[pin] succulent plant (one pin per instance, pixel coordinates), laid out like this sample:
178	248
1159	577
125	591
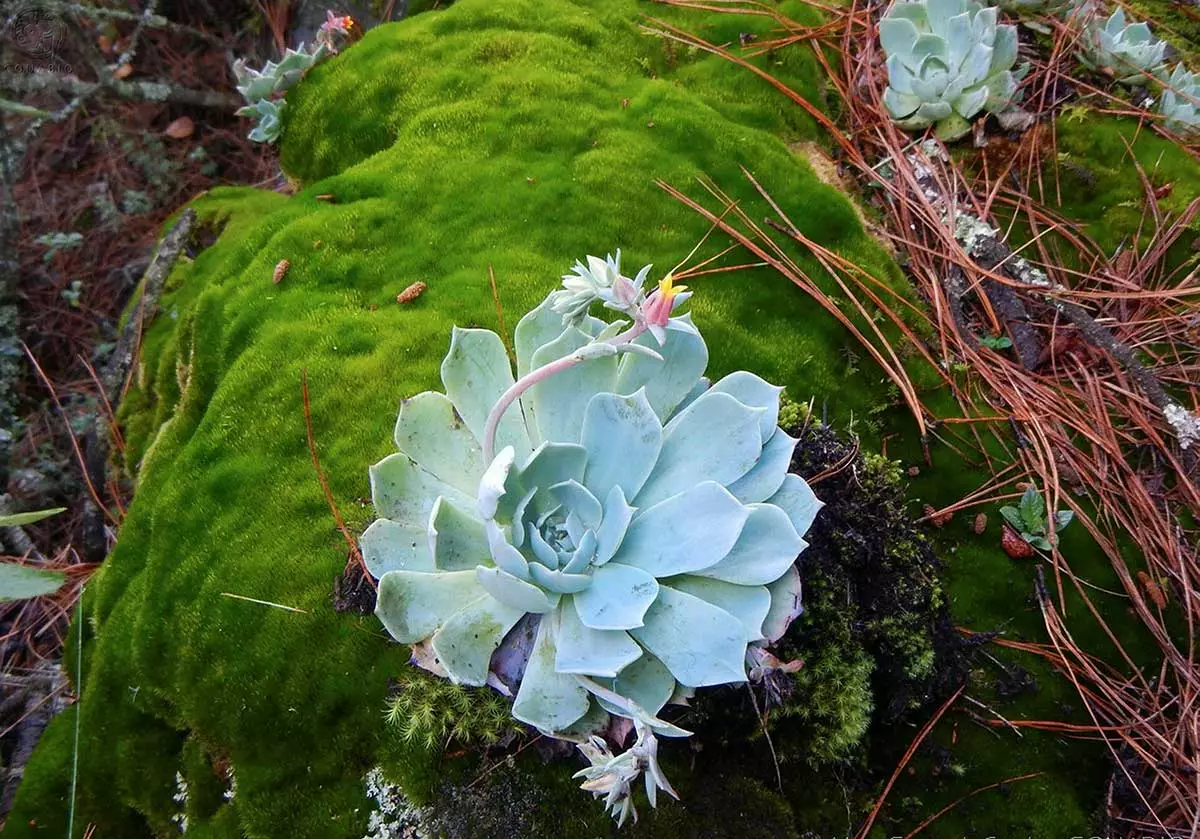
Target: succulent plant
1180	102
633	539
267	115
947	60
1126	50
263	89
275	77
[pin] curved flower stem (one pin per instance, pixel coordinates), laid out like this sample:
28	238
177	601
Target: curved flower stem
544	372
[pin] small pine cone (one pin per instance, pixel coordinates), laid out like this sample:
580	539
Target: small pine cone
938	519
411	293
281	270
1153	590
1014	545
913	471
980	524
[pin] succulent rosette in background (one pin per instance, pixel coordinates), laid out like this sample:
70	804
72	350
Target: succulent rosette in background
642	518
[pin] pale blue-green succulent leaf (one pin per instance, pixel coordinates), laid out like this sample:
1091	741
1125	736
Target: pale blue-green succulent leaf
701	644
390	546
513	591
542	551
548	700
766	547
591	652
623	437
552	463
897	35
617	598
559	401
506	557
797	499
753	392
785	605
476	373
430	432
413	604
575	497
457	539
716	438
21	582
537	328
584	553
749	604
667	382
500	490
617	516
688	532
559	582
464	644
767	476
697	390
647	682
404	492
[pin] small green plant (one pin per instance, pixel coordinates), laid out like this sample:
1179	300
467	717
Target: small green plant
57	242
996	342
1029	520
947	60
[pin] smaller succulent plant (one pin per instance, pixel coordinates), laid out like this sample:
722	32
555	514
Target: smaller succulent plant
275	77
1125	50
1029	520
1180	102
267	114
947	60
264	89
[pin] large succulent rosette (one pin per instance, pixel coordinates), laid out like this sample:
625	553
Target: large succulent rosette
643	520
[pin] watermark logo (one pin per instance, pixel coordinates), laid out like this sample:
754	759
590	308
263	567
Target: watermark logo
36	31
35	36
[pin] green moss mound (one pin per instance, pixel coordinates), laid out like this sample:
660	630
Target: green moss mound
506	136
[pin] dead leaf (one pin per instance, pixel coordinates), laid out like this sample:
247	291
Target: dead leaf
180	128
123	72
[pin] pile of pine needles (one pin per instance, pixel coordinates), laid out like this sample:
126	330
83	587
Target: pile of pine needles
1105	350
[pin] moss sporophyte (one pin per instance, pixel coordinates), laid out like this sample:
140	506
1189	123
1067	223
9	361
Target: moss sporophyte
597	535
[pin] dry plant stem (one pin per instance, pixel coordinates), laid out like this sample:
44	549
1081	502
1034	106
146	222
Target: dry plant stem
97	436
137	91
865	830
1096	429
